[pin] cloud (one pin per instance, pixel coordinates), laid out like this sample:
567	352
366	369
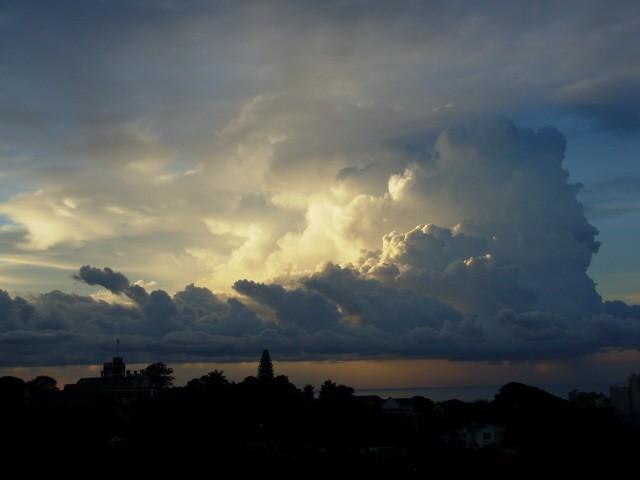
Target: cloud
213	145
506	224
303	308
370	302
115	282
60	328
609	101
15	313
213	174
501	274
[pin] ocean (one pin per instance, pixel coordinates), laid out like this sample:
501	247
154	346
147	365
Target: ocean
475	392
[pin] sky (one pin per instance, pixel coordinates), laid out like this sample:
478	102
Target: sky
400	183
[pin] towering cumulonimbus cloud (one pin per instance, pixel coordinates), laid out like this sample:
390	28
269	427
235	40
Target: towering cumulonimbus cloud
502	226
488	261
496	234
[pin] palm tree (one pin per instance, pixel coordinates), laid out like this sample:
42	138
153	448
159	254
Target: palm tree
214	379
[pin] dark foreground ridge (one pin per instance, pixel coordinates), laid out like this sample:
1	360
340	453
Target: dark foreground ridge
266	424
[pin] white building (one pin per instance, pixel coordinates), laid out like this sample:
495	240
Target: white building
398	405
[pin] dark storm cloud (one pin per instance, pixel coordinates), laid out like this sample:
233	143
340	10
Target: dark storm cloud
15	313
301	307
195	325
137	293
616	308
199	308
389	309
59	328
115	282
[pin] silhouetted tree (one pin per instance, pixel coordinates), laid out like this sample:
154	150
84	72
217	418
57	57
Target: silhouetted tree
159	374
331	391
211	381
215	378
42	384
309	392
423	405
13	391
265	369
42	387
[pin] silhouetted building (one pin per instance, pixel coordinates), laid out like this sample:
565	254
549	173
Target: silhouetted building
115	381
626	400
114	369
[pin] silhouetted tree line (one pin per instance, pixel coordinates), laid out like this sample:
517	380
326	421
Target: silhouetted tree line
267	424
